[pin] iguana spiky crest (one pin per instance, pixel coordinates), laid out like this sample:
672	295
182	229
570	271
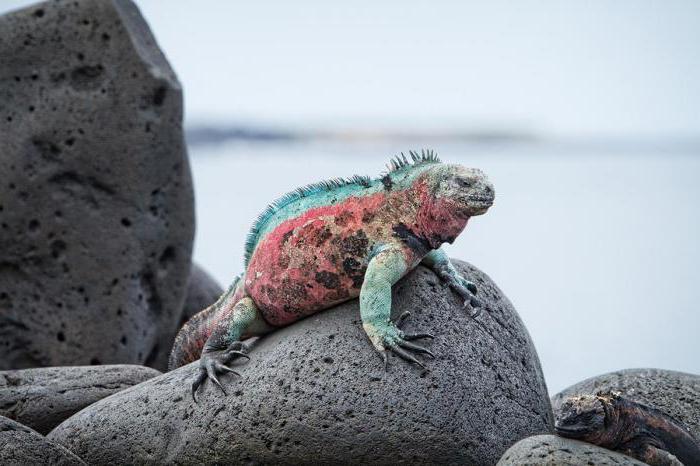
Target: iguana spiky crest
401	161
396	164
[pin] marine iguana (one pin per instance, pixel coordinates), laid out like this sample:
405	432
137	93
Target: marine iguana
617	423
336	240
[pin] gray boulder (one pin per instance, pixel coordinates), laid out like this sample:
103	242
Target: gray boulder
202	291
42	398
674	393
96	203
315	392
20	445
551	450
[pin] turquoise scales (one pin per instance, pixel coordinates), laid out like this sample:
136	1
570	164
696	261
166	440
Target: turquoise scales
334	185
336	240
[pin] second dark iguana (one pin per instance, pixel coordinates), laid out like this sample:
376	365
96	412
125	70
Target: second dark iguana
333	241
618	423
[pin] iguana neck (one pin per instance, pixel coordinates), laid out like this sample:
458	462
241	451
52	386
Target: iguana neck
438	219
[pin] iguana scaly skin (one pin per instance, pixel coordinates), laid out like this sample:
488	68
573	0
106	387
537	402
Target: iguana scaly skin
333	241
618	423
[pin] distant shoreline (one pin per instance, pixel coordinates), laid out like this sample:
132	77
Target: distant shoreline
199	136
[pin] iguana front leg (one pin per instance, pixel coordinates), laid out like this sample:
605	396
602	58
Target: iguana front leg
384	269
439	262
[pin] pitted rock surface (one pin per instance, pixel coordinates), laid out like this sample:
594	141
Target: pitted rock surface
202	291
551	450
44	397
96	203
20	445
674	393
315	392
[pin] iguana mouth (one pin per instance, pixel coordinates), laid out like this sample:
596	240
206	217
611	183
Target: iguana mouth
479	204
571	431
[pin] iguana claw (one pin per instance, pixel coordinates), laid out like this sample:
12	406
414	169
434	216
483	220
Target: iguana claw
402	318
417	336
475	307
410	336
464	288
399	343
197	382
214	362
405	355
467	290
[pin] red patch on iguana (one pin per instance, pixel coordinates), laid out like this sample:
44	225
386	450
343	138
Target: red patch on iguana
318	259
297	269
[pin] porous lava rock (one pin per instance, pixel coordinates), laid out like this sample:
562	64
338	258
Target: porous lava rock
551	450
20	445
315	392
202	291
42	398
96	202
675	393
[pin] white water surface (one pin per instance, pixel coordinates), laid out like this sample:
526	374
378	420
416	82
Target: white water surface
597	251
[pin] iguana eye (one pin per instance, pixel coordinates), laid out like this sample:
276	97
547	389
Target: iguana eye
464	183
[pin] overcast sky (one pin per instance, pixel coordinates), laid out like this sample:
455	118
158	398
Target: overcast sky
554	67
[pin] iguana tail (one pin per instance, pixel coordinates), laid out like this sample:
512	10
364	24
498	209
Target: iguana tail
193	335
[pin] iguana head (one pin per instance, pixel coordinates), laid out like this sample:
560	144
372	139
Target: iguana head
591	418
450	195
467	189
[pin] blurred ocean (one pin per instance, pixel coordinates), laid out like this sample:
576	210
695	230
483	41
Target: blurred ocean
597	248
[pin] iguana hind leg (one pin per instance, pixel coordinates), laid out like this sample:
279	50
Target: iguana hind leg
224	345
385	269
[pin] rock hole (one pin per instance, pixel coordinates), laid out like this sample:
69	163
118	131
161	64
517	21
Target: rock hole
46	148
95	362
39	13
34	225
86	77
159	95
126	222
60	336
57	248
167	257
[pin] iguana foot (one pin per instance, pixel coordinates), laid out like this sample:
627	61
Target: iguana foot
466	290
390	338
214	362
